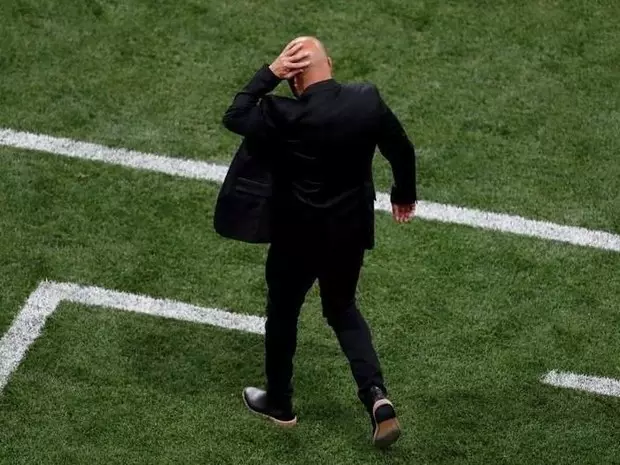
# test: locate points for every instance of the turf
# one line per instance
(514, 108)
(513, 105)
(465, 321)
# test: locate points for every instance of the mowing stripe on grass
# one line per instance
(30, 321)
(212, 172)
(594, 384)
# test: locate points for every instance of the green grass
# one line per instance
(514, 107)
(465, 322)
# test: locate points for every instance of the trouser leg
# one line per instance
(289, 278)
(338, 277)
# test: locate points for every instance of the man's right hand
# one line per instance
(293, 60)
(403, 213)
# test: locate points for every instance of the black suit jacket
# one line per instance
(318, 150)
(244, 208)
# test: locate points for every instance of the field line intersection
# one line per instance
(43, 302)
(31, 319)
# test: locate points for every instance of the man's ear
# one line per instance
(329, 60)
(291, 84)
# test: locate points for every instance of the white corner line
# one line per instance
(593, 384)
(195, 169)
(30, 321)
(43, 302)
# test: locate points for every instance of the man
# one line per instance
(322, 145)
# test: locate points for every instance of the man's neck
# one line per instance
(316, 80)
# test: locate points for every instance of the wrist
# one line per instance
(272, 69)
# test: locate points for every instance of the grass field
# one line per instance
(514, 107)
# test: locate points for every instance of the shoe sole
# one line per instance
(283, 424)
(387, 431)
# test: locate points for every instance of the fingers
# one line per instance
(294, 73)
(397, 213)
(294, 65)
(292, 48)
(293, 43)
(292, 61)
(403, 213)
(298, 55)
(294, 57)
(294, 52)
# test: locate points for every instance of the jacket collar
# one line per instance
(319, 87)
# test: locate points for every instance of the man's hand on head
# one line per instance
(293, 60)
(403, 213)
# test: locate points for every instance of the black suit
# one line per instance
(244, 208)
(321, 147)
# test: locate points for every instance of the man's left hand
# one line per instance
(403, 213)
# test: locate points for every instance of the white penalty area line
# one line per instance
(44, 301)
(30, 321)
(593, 384)
(212, 172)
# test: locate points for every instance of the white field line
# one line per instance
(30, 321)
(594, 384)
(212, 172)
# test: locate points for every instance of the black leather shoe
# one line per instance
(258, 402)
(385, 426)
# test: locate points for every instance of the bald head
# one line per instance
(320, 67)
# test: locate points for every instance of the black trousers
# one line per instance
(291, 269)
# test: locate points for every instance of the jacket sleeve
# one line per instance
(248, 115)
(396, 147)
